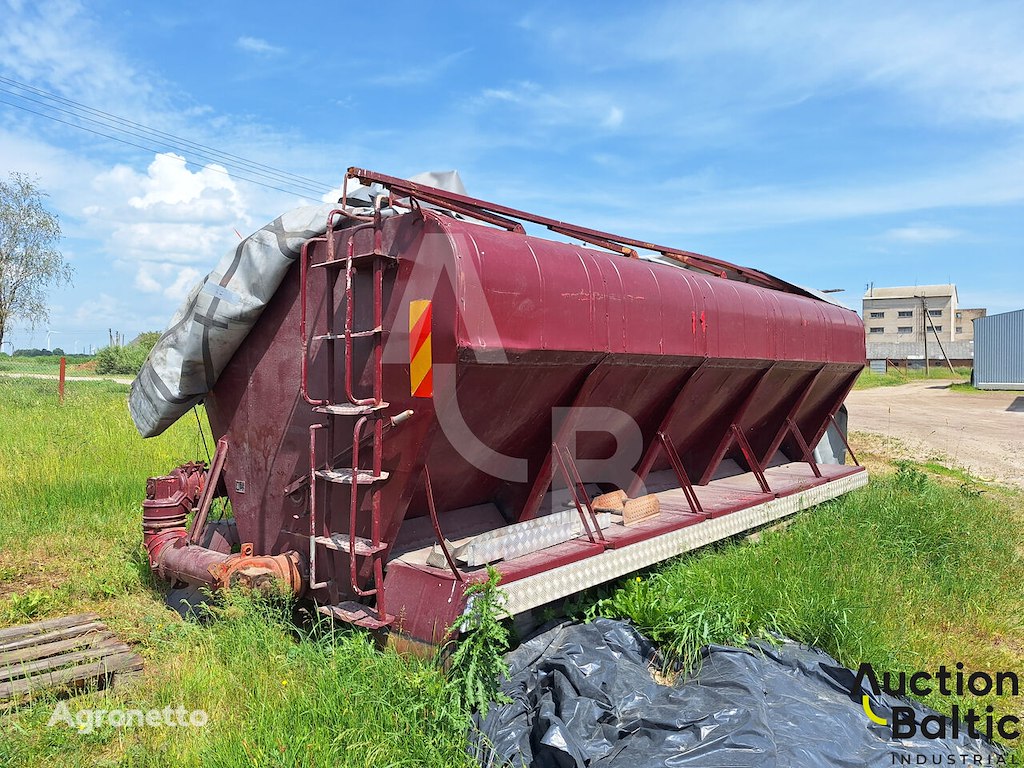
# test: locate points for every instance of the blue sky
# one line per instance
(831, 145)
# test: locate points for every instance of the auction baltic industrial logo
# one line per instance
(946, 682)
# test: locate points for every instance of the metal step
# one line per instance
(358, 614)
(342, 543)
(339, 262)
(345, 476)
(348, 409)
(355, 334)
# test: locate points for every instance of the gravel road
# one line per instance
(69, 379)
(982, 432)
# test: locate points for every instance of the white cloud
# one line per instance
(420, 73)
(101, 310)
(614, 118)
(258, 46)
(168, 221)
(536, 107)
(704, 205)
(55, 44)
(209, 194)
(170, 280)
(922, 233)
(961, 62)
(183, 282)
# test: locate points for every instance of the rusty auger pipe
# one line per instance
(172, 557)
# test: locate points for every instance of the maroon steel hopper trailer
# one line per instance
(431, 390)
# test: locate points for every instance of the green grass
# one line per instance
(923, 567)
(73, 479)
(47, 364)
(895, 376)
(322, 700)
(966, 386)
(910, 573)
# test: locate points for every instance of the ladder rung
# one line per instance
(358, 614)
(348, 409)
(355, 334)
(345, 476)
(339, 262)
(342, 543)
(368, 332)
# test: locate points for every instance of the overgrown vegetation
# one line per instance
(70, 542)
(127, 359)
(477, 662)
(325, 699)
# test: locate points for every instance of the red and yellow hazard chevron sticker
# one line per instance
(421, 372)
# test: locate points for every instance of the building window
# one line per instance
(906, 313)
(876, 329)
(877, 315)
(959, 315)
(938, 328)
(935, 312)
(959, 329)
(905, 329)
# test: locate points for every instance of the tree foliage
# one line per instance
(30, 261)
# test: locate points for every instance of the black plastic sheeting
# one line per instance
(584, 695)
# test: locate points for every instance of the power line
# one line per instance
(152, 149)
(146, 129)
(274, 177)
(298, 184)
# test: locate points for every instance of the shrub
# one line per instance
(477, 663)
(126, 360)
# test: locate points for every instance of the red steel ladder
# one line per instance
(366, 415)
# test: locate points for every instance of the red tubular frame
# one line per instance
(482, 210)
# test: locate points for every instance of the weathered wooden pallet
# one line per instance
(71, 652)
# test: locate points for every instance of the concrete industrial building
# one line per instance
(897, 319)
(964, 326)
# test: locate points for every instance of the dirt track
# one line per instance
(982, 432)
(70, 378)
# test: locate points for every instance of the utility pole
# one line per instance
(939, 342)
(924, 334)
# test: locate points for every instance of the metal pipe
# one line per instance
(169, 500)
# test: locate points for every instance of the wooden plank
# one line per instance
(86, 673)
(48, 649)
(70, 651)
(12, 633)
(59, 634)
(51, 663)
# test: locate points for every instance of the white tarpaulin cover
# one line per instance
(221, 309)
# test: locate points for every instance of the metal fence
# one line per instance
(62, 370)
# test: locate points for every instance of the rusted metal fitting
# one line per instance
(168, 501)
(261, 572)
